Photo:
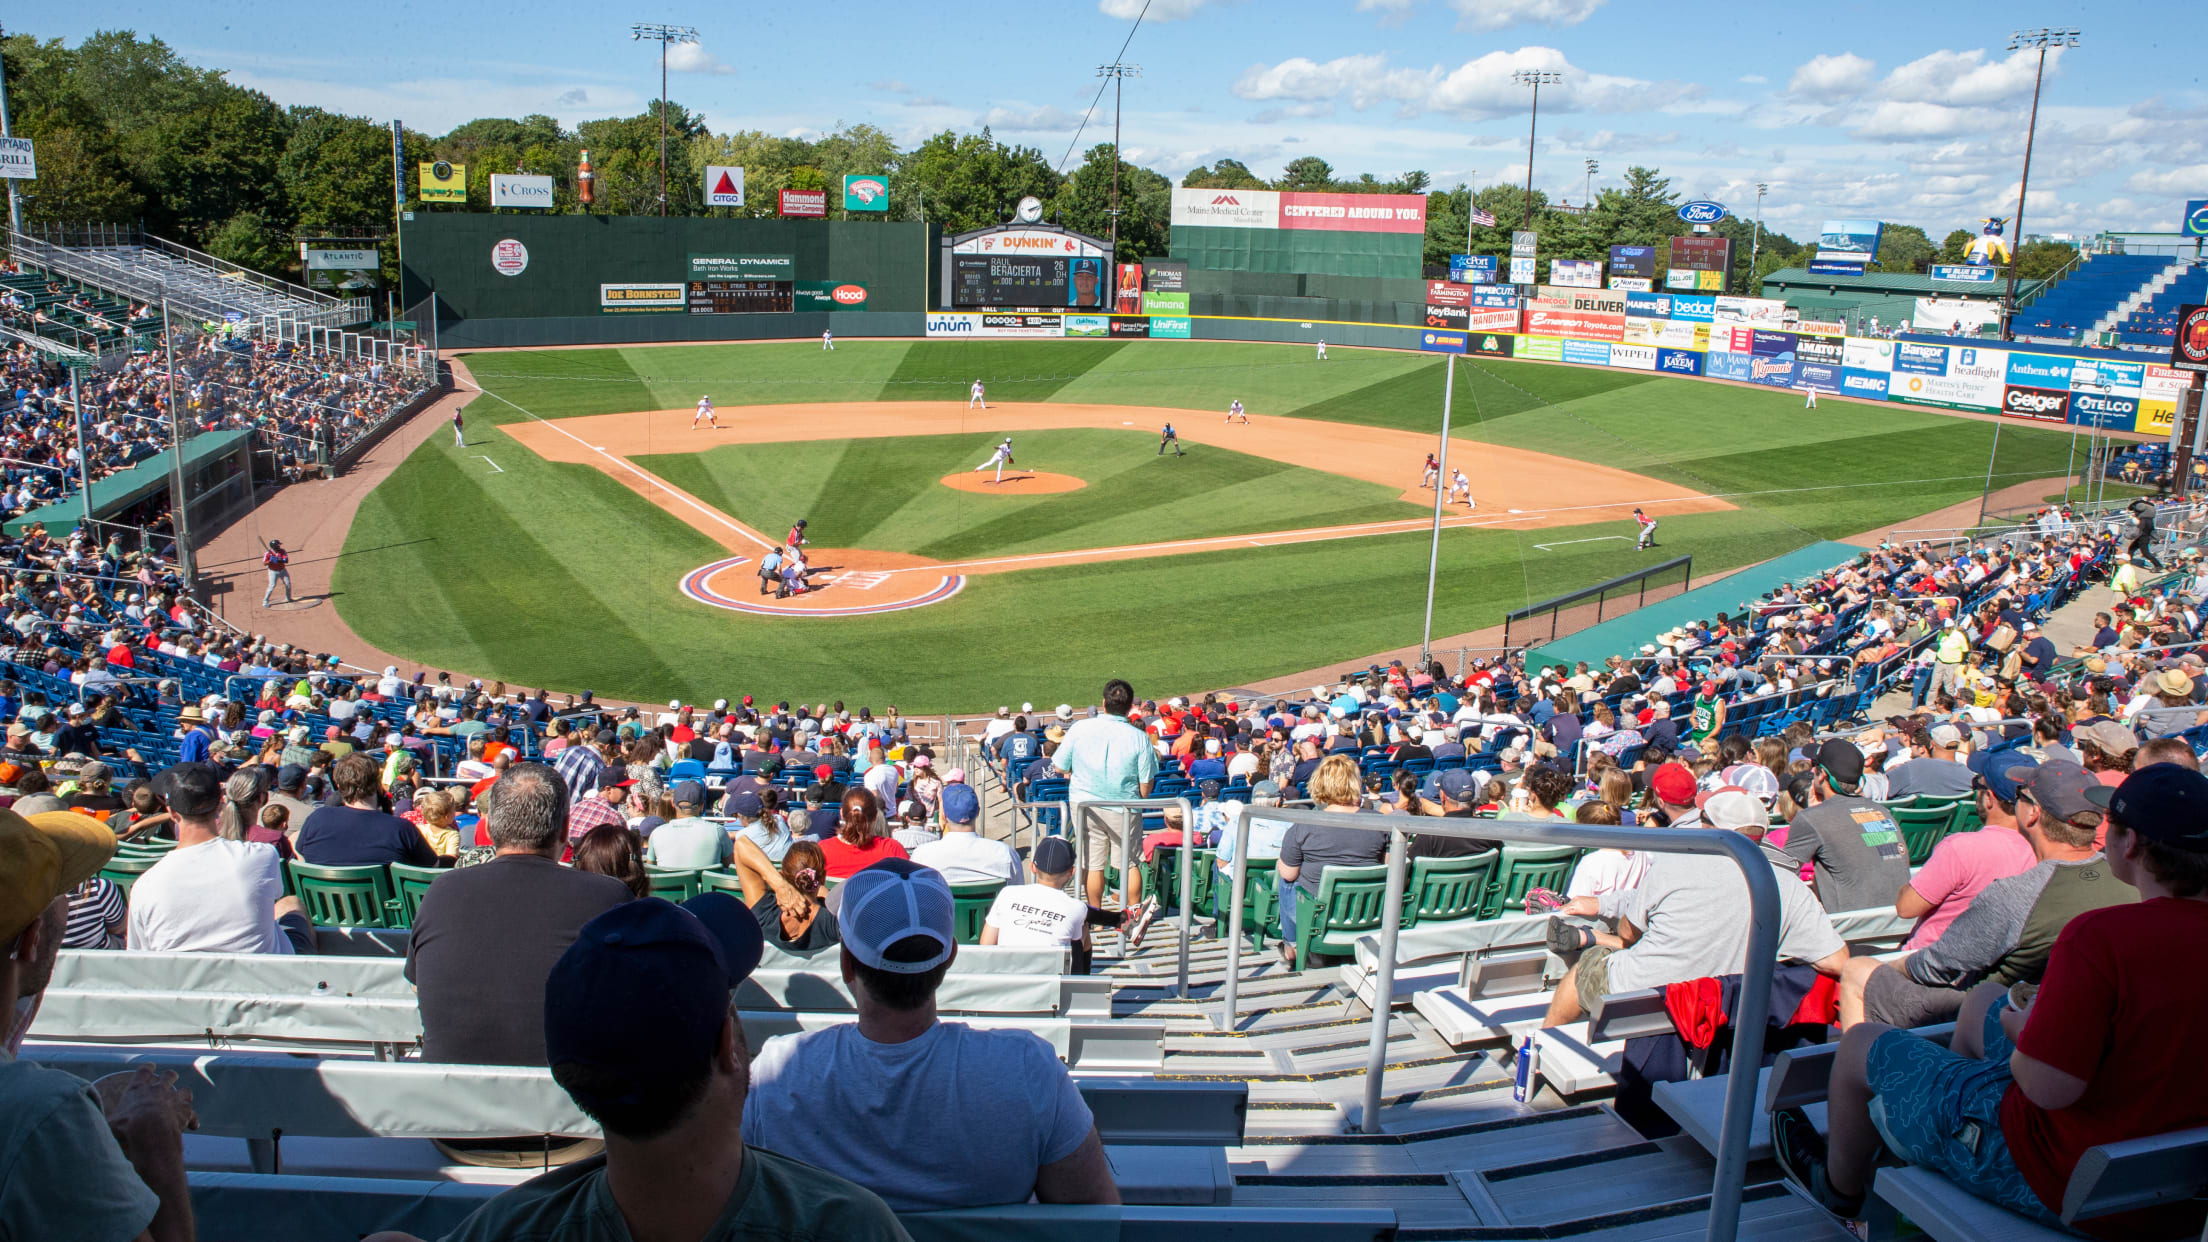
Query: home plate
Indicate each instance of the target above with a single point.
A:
(859, 580)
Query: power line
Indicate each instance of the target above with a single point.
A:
(1098, 97)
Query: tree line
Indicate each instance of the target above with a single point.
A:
(127, 131)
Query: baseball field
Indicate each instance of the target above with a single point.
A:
(588, 535)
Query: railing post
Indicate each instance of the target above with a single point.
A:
(1237, 878)
(1383, 996)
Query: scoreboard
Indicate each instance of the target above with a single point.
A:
(1012, 280)
(741, 297)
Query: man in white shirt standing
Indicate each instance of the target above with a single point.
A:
(963, 855)
(1108, 759)
(211, 894)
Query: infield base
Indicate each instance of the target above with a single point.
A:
(1014, 483)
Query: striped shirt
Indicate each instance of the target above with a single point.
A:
(96, 906)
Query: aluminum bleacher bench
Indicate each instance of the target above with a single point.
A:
(343, 1209)
(2111, 1178)
(1496, 1000)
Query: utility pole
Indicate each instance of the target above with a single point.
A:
(2043, 38)
(1534, 79)
(178, 503)
(664, 35)
(1118, 72)
(15, 204)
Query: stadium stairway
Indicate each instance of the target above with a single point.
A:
(2091, 293)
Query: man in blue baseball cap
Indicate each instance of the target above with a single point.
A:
(927, 1114)
(641, 1030)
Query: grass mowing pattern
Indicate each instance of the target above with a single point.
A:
(556, 574)
(882, 493)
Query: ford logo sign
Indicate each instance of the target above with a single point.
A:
(1702, 212)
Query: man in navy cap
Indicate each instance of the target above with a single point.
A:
(985, 1116)
(640, 1025)
(2105, 1049)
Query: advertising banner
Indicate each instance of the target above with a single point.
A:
(1499, 297)
(1444, 293)
(1127, 291)
(2189, 349)
(514, 190)
(1848, 245)
(1955, 314)
(1669, 333)
(1544, 320)
(2155, 417)
(1633, 357)
(1770, 344)
(1821, 327)
(1088, 325)
(1473, 269)
(509, 257)
(1710, 282)
(1823, 350)
(1172, 328)
(1541, 348)
(18, 161)
(1678, 362)
(2162, 383)
(1489, 319)
(2041, 405)
(1974, 378)
(865, 192)
(1863, 353)
(1434, 342)
(1681, 278)
(1729, 366)
(1694, 308)
(2039, 370)
(1524, 243)
(444, 183)
(1760, 312)
(1575, 273)
(1646, 305)
(1130, 325)
(1732, 340)
(990, 324)
(1632, 284)
(2092, 409)
(346, 269)
(1227, 209)
(1962, 273)
(829, 295)
(802, 204)
(1772, 359)
(2109, 379)
(1633, 261)
(742, 267)
(632, 299)
(1521, 271)
(1600, 301)
(1494, 344)
(1818, 375)
(1702, 254)
(1165, 275)
(2195, 223)
(1587, 353)
(1457, 317)
(1156, 302)
(1870, 384)
(1914, 358)
(724, 185)
(1354, 213)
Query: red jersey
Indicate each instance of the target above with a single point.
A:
(2107, 1012)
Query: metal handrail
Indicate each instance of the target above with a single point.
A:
(1755, 979)
(1084, 809)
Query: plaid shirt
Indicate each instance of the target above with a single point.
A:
(587, 813)
(579, 765)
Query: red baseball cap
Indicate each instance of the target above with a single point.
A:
(1674, 783)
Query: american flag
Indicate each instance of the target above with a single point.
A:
(1483, 218)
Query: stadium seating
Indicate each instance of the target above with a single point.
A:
(2089, 294)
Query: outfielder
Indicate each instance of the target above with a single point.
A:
(1432, 477)
(705, 411)
(1811, 403)
(975, 397)
(828, 340)
(1459, 486)
(1000, 459)
(1172, 437)
(459, 439)
(1322, 351)
(278, 562)
(1235, 412)
(1648, 530)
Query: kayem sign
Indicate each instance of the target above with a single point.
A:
(802, 204)
(724, 186)
(515, 190)
(1295, 209)
(2043, 405)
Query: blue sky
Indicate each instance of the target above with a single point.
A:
(1908, 111)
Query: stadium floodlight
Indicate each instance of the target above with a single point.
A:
(1118, 72)
(1535, 78)
(1593, 167)
(1755, 239)
(664, 35)
(2043, 38)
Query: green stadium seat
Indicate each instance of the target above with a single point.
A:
(1444, 889)
(1350, 902)
(346, 896)
(412, 884)
(1260, 902)
(970, 906)
(672, 885)
(1526, 867)
(125, 869)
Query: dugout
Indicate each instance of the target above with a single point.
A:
(217, 476)
(528, 280)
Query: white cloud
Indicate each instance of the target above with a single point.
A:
(1918, 121)
(1046, 119)
(693, 58)
(1501, 14)
(1476, 90)
(1754, 79)
(1160, 10)
(1391, 8)
(2175, 181)
(1362, 80)
(1965, 78)
(1832, 77)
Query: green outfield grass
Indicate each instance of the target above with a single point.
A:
(555, 574)
(883, 493)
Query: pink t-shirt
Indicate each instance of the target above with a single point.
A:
(1961, 866)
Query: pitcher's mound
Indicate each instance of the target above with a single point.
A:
(1024, 483)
